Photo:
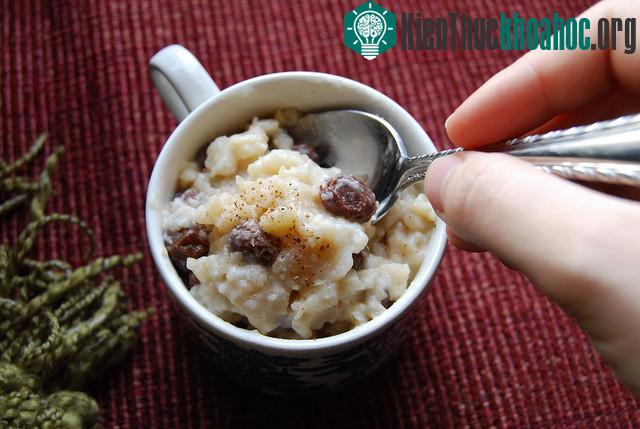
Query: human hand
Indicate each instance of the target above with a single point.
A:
(579, 246)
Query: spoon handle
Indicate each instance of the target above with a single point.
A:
(613, 140)
(415, 168)
(606, 152)
(615, 173)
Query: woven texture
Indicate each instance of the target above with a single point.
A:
(489, 350)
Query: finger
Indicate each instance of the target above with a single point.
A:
(616, 103)
(543, 84)
(527, 217)
(461, 244)
(578, 246)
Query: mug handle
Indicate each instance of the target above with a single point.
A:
(181, 80)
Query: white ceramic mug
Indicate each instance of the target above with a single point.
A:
(204, 112)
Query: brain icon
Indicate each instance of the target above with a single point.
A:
(369, 25)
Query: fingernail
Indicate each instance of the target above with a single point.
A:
(436, 180)
(446, 123)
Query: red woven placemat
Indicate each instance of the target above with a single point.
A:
(489, 351)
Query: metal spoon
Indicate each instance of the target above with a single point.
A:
(367, 146)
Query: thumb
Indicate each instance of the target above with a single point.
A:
(578, 246)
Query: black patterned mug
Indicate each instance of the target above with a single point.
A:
(204, 112)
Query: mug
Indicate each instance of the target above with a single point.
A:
(274, 365)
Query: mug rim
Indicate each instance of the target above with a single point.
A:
(215, 324)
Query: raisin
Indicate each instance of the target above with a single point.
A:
(201, 156)
(359, 259)
(244, 324)
(187, 243)
(386, 303)
(254, 243)
(308, 150)
(349, 197)
(193, 280)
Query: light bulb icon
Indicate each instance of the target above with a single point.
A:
(369, 30)
(370, 27)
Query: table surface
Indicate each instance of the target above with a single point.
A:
(489, 349)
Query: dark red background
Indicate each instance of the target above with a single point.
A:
(489, 351)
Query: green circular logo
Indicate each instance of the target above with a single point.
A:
(370, 30)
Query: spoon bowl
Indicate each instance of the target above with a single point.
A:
(364, 145)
